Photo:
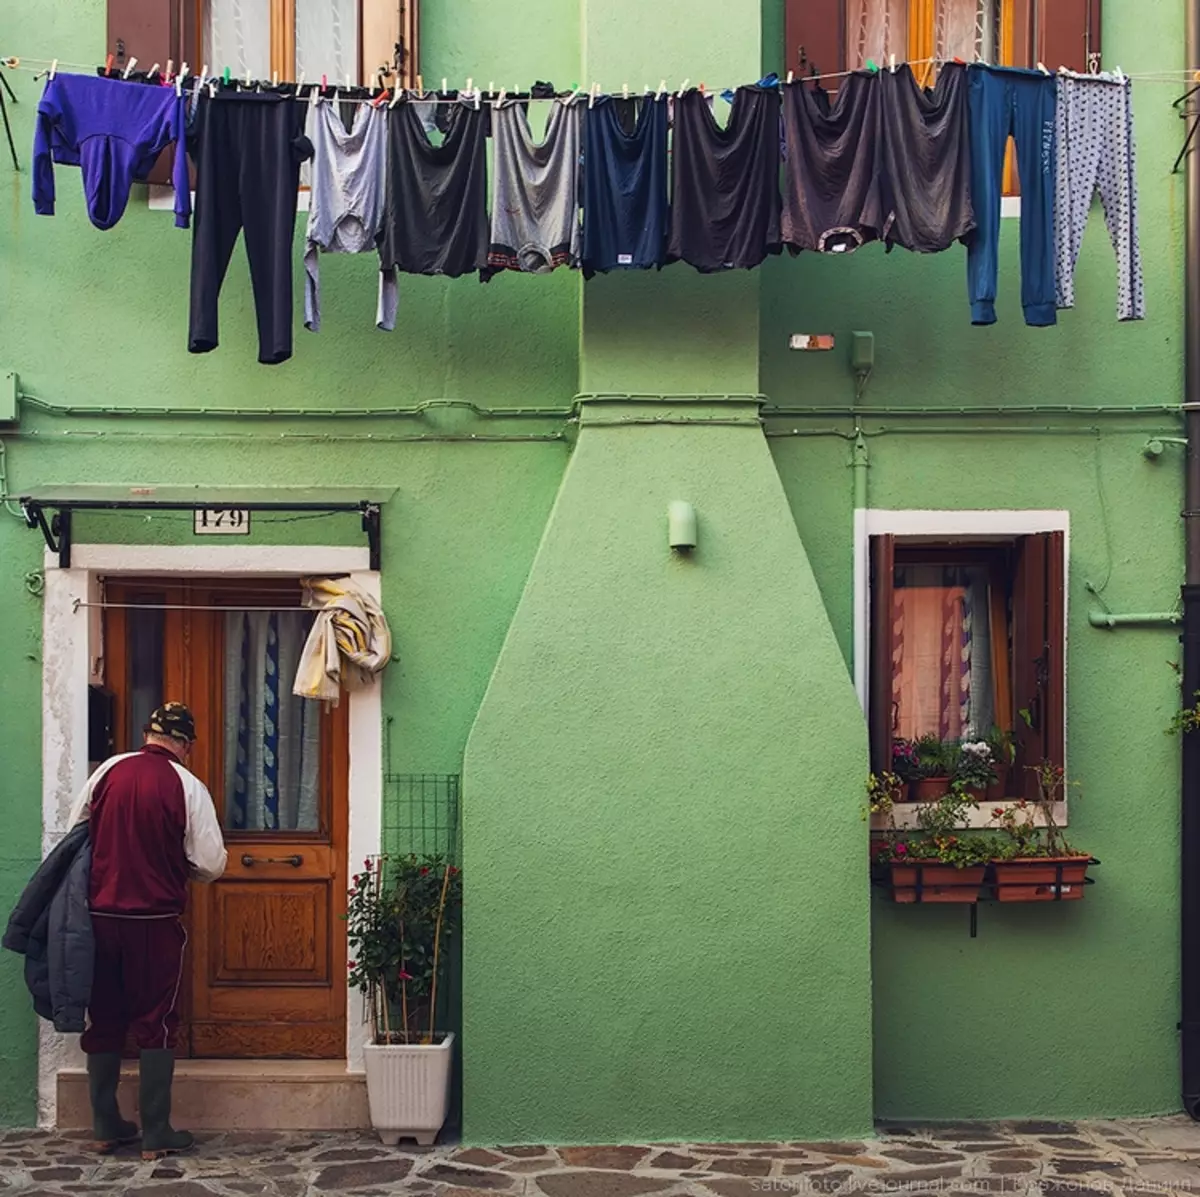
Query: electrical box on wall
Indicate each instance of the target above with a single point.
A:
(8, 398)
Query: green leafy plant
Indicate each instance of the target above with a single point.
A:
(884, 790)
(948, 813)
(1186, 720)
(958, 851)
(976, 767)
(905, 762)
(1004, 747)
(400, 915)
(935, 757)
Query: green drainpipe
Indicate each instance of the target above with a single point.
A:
(1106, 619)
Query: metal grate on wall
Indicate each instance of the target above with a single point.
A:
(420, 814)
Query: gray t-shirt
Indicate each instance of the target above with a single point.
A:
(345, 204)
(535, 194)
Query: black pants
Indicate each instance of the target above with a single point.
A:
(247, 148)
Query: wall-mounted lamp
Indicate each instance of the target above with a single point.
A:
(681, 526)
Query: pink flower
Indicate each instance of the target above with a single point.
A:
(350, 964)
(403, 976)
(901, 849)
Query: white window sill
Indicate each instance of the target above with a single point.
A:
(904, 815)
(162, 199)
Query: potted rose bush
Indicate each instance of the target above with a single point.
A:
(1036, 863)
(401, 915)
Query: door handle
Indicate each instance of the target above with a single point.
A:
(295, 861)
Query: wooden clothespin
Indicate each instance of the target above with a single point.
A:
(445, 88)
(892, 63)
(624, 91)
(683, 86)
(152, 72)
(247, 77)
(593, 92)
(274, 78)
(790, 76)
(491, 87)
(53, 68)
(128, 68)
(170, 71)
(662, 87)
(1041, 66)
(183, 70)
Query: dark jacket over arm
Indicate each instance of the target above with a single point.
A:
(51, 926)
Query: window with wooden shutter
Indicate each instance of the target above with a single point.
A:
(824, 36)
(967, 639)
(1038, 652)
(336, 38)
(882, 708)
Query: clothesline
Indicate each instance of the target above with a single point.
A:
(439, 96)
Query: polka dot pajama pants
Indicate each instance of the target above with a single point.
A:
(1095, 152)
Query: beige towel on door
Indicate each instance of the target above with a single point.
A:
(349, 643)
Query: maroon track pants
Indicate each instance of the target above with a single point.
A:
(135, 987)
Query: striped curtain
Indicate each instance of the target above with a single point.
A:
(941, 652)
(273, 746)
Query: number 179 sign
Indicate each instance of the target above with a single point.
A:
(221, 521)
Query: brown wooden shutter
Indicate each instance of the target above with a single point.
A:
(880, 707)
(815, 36)
(154, 31)
(1067, 31)
(1039, 651)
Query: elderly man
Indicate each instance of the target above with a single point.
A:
(152, 828)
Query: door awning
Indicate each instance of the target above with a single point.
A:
(50, 510)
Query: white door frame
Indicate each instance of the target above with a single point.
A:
(72, 657)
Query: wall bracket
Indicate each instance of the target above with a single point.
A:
(56, 528)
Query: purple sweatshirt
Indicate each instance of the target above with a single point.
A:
(113, 131)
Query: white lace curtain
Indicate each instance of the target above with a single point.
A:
(238, 36)
(876, 29)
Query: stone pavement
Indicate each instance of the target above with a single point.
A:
(1040, 1159)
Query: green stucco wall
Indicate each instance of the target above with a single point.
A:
(651, 776)
(1058, 1012)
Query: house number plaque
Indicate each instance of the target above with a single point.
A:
(221, 521)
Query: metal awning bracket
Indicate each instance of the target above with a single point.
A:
(56, 530)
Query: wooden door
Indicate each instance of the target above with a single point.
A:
(267, 941)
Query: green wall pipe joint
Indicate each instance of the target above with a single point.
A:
(1110, 620)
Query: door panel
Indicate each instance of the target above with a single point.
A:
(267, 941)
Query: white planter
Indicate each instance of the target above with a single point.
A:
(408, 1088)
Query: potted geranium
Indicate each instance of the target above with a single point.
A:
(401, 913)
(975, 768)
(1036, 863)
(1004, 756)
(905, 768)
(941, 866)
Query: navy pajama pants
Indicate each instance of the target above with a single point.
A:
(1005, 101)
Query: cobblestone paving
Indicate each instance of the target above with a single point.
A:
(1041, 1159)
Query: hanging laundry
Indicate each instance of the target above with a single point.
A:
(832, 200)
(345, 203)
(725, 182)
(535, 201)
(114, 132)
(926, 159)
(625, 208)
(1004, 101)
(435, 214)
(1096, 152)
(247, 146)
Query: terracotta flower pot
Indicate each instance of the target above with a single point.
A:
(1036, 878)
(939, 882)
(930, 789)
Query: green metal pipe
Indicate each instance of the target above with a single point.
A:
(305, 413)
(1107, 619)
(860, 463)
(1024, 409)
